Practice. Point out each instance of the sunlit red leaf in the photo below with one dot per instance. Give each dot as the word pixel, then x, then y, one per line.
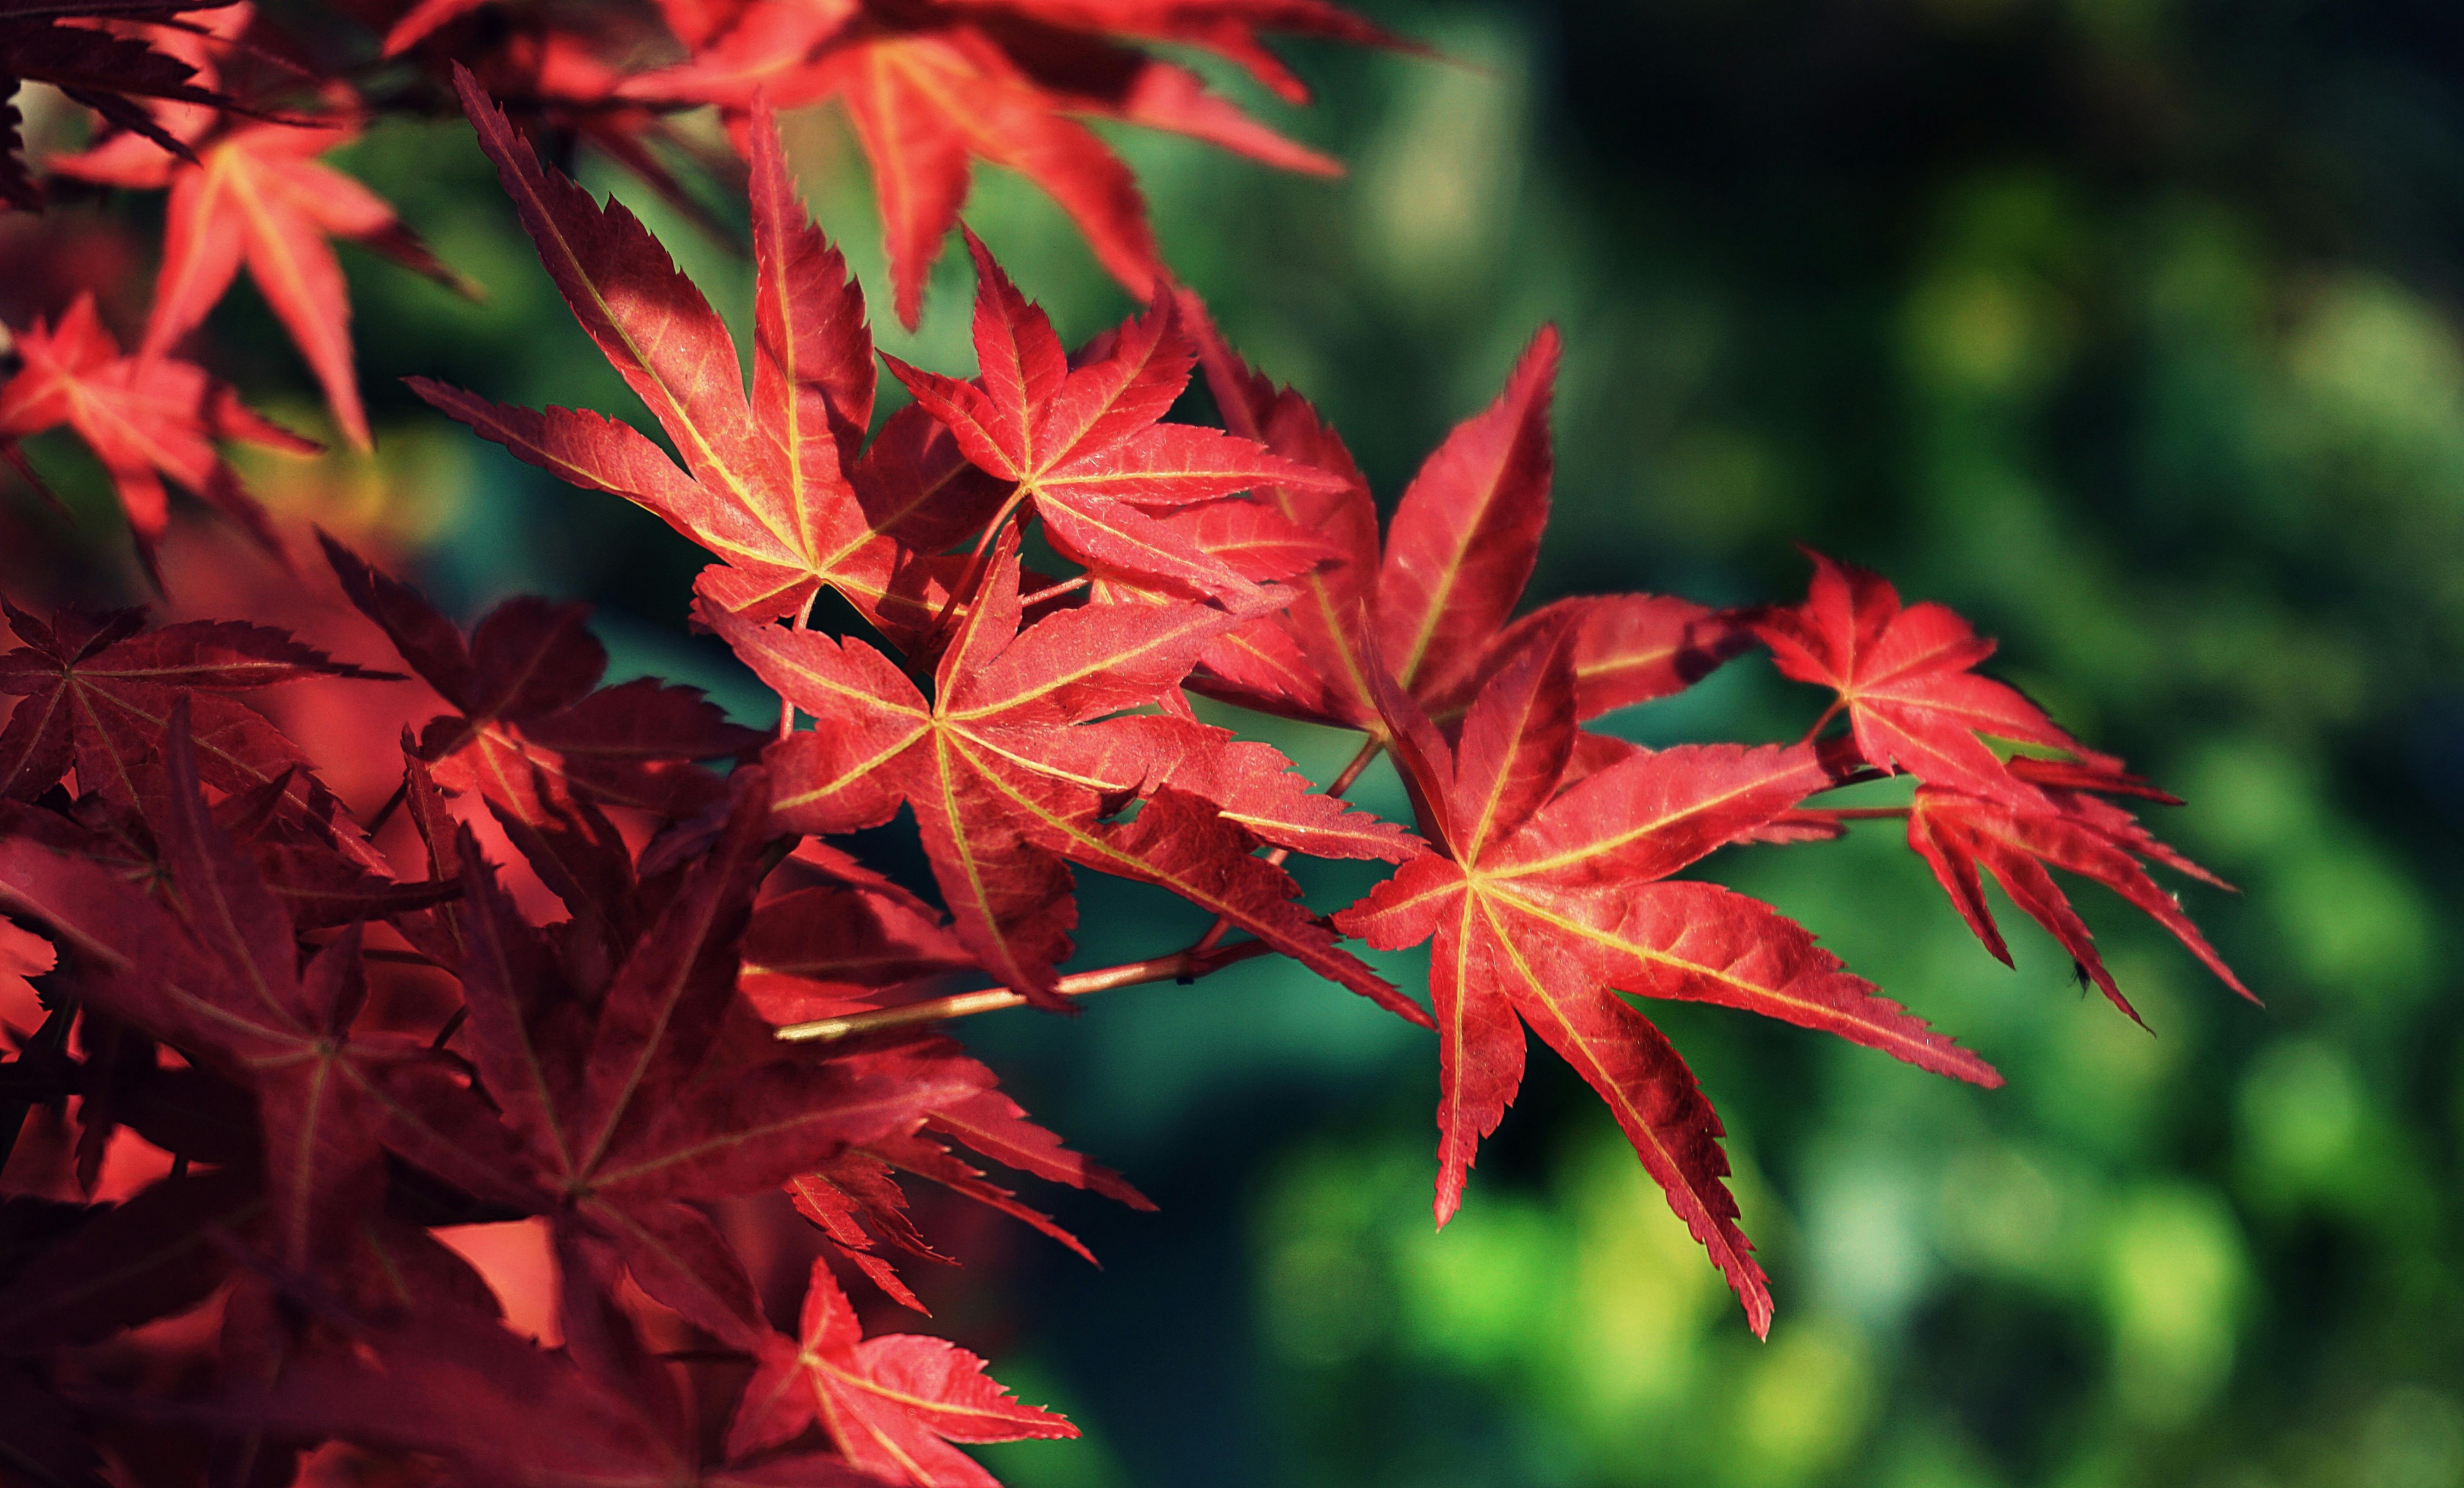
pixel 1460 547
pixel 1906 677
pixel 253 190
pixel 1009 767
pixel 1084 444
pixel 1544 906
pixel 771 485
pixel 1957 834
pixel 932 89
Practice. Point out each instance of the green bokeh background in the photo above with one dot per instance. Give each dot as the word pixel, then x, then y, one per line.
pixel 2127 328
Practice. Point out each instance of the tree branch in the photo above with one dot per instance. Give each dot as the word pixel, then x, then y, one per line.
pixel 1208 955
pixel 1186 965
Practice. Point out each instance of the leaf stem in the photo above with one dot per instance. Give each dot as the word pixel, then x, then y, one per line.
pixel 975 568
pixel 384 812
pixel 1180 967
pixel 1055 590
pixel 804 622
pixel 1865 813
pixel 1815 732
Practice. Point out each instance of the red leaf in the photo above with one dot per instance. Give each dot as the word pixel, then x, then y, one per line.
pixel 452 1382
pixel 530 713
pixel 1907 679
pixel 1457 556
pixel 1084 443
pixel 146 418
pixel 929 90
pixel 1009 766
pixel 231 990
pixel 1956 834
pixel 1540 913
pixel 99 695
pixel 892 1404
pixel 253 190
pixel 127 1264
pixel 775 488
pixel 627 1107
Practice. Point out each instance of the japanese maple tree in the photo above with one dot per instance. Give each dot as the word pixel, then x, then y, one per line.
pixel 603 965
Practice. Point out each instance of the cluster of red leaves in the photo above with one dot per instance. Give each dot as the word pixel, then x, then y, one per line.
pixel 613 981
pixel 930 86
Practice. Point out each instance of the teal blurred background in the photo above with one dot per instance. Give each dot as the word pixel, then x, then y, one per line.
pixel 2127 328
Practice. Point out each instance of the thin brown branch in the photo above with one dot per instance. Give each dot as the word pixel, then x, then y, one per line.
pixel 1186 965
pixel 1208 955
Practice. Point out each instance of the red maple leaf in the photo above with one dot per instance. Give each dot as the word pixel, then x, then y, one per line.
pixel 1081 442
pixel 252 189
pixel 316 861
pixel 218 974
pixel 1906 679
pixel 87 1274
pixel 892 1404
pixel 144 418
pixel 1457 556
pixel 634 1087
pixel 860 1187
pixel 932 88
pixel 531 720
pixel 776 487
pixel 1012 763
pixel 98 692
pixel 1956 834
pixel 451 1381
pixel 1544 905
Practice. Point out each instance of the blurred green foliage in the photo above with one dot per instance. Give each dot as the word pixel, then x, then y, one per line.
pixel 2126 326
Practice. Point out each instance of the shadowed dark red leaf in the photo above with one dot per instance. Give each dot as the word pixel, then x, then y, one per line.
pixel 529 708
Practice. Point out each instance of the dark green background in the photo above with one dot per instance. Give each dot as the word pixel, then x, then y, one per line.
pixel 2126 326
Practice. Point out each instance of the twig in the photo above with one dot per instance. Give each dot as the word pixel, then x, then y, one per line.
pixel 1208 955
pixel 1186 965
